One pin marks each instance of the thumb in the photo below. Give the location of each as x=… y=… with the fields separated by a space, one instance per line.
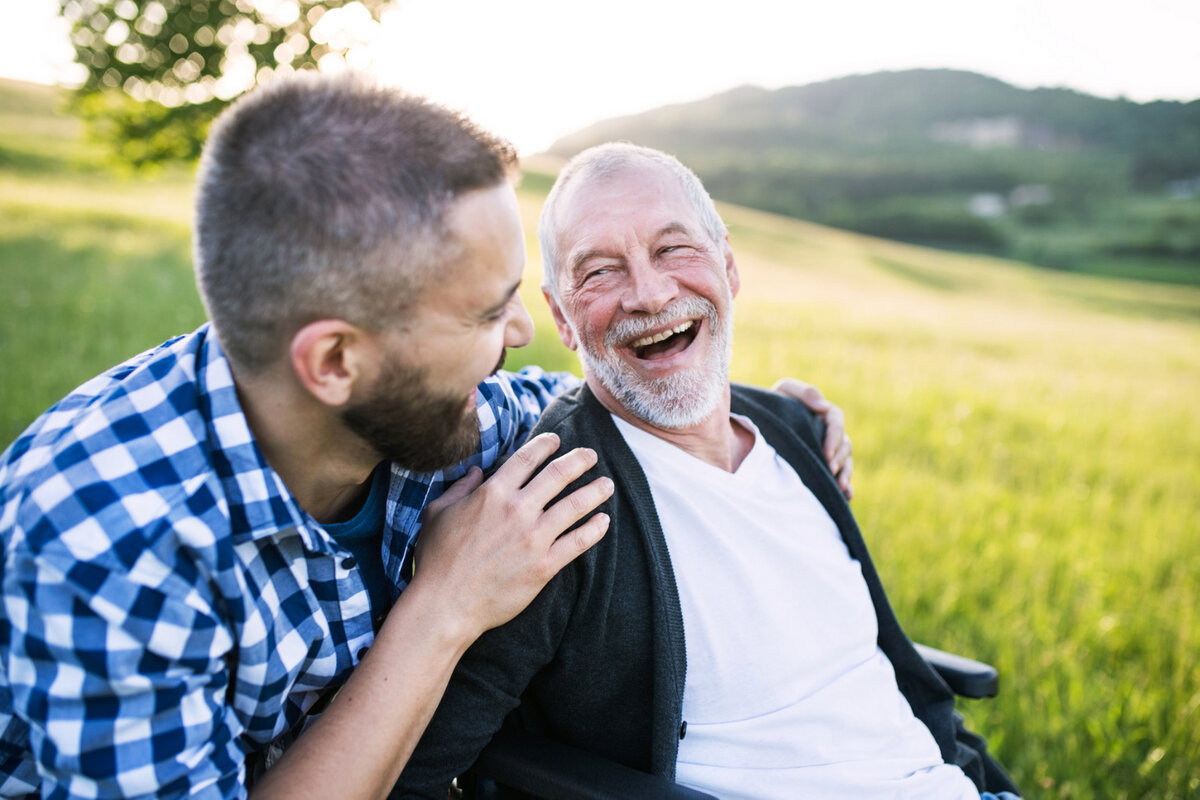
x=458 y=490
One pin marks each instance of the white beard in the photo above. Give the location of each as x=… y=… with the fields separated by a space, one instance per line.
x=680 y=400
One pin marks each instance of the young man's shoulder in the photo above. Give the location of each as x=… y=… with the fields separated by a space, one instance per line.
x=126 y=451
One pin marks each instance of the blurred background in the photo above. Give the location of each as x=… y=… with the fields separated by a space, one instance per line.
x=976 y=226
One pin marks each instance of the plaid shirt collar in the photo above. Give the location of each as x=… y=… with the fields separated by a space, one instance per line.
x=260 y=504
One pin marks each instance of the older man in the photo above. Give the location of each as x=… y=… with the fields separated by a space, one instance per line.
x=200 y=545
x=730 y=631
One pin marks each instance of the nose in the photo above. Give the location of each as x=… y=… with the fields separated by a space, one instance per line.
x=518 y=331
x=649 y=289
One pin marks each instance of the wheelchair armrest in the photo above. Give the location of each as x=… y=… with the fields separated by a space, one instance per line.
x=557 y=771
x=965 y=677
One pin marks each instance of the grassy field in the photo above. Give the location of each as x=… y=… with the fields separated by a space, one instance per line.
x=1027 y=443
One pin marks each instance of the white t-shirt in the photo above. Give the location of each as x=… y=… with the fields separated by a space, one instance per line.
x=787 y=693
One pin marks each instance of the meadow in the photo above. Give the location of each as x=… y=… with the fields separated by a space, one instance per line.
x=1026 y=442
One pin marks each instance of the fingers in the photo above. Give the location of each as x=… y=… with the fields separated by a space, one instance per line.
x=558 y=475
x=835 y=435
x=841 y=463
x=844 y=478
x=515 y=472
x=804 y=392
x=570 y=546
x=458 y=490
x=577 y=505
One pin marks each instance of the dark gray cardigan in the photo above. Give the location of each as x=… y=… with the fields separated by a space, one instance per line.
x=597 y=661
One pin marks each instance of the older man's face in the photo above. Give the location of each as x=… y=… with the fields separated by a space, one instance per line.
x=646 y=297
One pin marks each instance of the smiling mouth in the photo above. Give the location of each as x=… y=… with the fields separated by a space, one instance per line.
x=665 y=344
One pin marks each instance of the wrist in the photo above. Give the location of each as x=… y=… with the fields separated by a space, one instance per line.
x=430 y=606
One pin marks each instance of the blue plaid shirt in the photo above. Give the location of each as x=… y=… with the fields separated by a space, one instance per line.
x=169 y=608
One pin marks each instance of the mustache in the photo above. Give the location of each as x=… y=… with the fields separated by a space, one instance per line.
x=500 y=364
x=629 y=329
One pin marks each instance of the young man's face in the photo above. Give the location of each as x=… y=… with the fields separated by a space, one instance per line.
x=646 y=296
x=420 y=410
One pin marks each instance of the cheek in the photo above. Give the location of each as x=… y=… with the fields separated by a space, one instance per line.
x=593 y=316
x=487 y=350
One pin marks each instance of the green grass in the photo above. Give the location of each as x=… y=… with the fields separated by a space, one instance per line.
x=1026 y=441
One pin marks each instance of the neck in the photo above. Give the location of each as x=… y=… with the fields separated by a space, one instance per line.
x=323 y=465
x=716 y=440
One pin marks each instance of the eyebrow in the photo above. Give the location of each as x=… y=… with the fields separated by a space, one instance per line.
x=487 y=312
x=582 y=258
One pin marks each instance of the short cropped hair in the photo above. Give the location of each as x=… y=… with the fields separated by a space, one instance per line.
x=606 y=161
x=325 y=197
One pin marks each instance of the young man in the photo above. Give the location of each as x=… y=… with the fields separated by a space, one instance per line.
x=730 y=631
x=204 y=543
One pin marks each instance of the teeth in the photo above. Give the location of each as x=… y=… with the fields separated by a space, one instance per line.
x=658 y=337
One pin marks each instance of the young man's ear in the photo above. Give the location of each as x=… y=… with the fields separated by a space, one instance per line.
x=329 y=357
x=564 y=328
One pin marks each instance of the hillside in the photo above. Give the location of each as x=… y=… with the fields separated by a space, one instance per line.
x=954 y=159
x=1027 y=446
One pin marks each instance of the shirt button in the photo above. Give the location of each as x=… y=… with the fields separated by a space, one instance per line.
x=683 y=729
x=348 y=562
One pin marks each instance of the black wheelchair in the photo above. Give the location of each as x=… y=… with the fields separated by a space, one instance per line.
x=526 y=766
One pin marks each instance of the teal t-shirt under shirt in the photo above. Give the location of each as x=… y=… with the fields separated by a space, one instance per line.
x=362 y=535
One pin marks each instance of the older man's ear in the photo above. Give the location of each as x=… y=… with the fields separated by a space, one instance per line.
x=731 y=270
x=560 y=321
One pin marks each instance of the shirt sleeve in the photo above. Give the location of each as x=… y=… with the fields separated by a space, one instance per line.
x=510 y=404
x=120 y=673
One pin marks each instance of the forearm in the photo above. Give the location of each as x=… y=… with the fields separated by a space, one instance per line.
x=486 y=553
x=358 y=746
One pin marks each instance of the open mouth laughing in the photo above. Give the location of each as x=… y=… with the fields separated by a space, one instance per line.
x=665 y=343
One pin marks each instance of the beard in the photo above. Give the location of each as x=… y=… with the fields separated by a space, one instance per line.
x=411 y=425
x=675 y=401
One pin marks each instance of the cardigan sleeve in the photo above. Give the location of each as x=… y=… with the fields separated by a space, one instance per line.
x=485 y=687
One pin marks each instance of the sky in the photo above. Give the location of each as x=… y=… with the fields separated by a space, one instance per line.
x=534 y=70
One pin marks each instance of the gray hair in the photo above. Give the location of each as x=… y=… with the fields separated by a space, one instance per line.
x=609 y=160
x=325 y=197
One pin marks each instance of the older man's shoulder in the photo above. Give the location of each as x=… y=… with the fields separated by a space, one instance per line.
x=778 y=404
x=570 y=411
x=797 y=417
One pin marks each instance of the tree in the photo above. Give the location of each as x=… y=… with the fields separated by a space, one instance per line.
x=158 y=71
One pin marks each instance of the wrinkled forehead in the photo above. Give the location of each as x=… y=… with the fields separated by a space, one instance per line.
x=634 y=200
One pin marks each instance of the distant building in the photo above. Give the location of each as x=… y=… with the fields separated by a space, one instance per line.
x=1186 y=189
x=1030 y=194
x=989 y=133
x=981 y=133
x=987 y=205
